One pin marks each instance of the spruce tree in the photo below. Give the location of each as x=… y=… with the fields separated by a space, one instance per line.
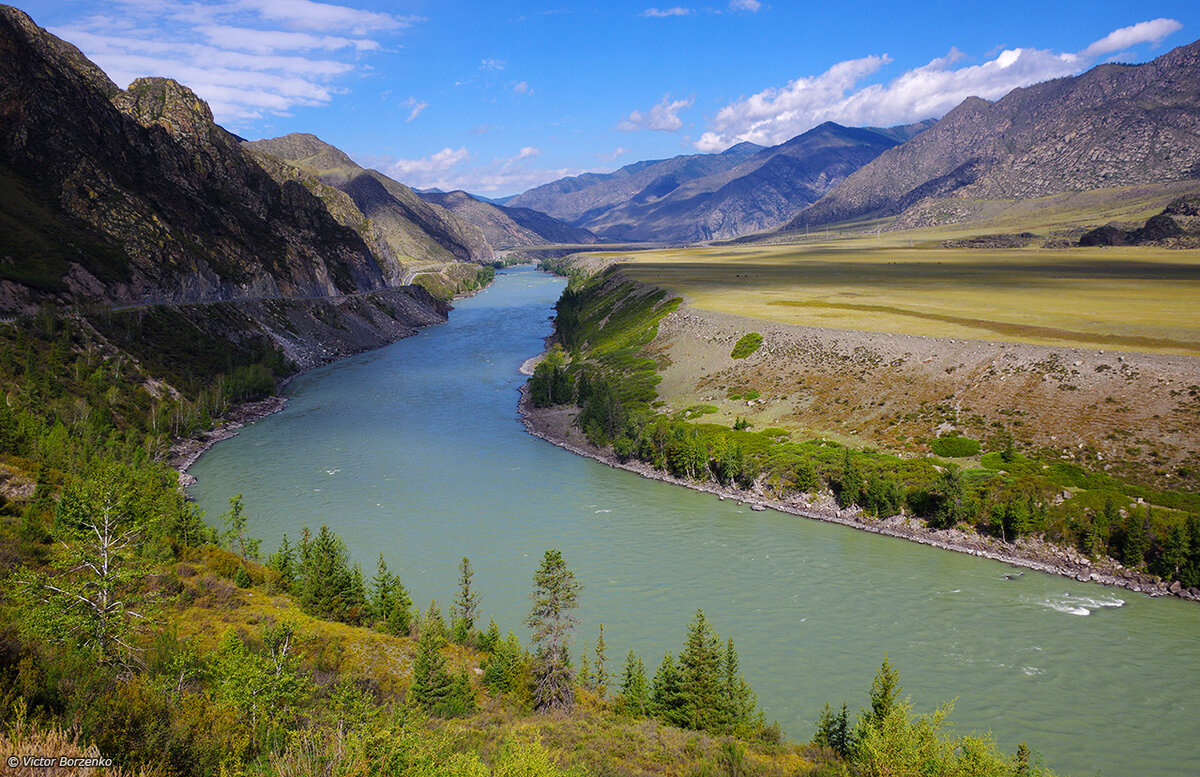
x=635 y=690
x=700 y=676
x=885 y=691
x=833 y=730
x=283 y=561
x=739 y=699
x=600 y=676
x=490 y=638
x=467 y=601
x=382 y=592
x=665 y=697
x=850 y=482
x=431 y=686
x=552 y=618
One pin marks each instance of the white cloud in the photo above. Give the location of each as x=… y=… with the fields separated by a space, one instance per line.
x=415 y=107
x=492 y=64
x=777 y=114
x=522 y=87
x=663 y=117
x=750 y=6
x=450 y=169
x=247 y=58
x=662 y=13
x=1143 y=32
x=611 y=156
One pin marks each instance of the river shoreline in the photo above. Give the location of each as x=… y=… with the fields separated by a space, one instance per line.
x=555 y=426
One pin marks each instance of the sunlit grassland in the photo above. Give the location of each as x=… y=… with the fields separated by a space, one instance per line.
x=1140 y=299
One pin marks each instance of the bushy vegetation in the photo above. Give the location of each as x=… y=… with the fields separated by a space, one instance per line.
x=955 y=447
x=746 y=345
x=604 y=323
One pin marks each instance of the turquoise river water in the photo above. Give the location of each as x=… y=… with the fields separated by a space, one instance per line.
x=416 y=451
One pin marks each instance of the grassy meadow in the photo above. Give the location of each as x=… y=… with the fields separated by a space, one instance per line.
x=1136 y=299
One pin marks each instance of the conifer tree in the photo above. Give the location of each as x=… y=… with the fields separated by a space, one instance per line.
x=885 y=692
x=552 y=618
x=431 y=686
x=635 y=690
x=833 y=730
x=666 y=698
x=504 y=668
x=382 y=591
x=466 y=603
x=739 y=699
x=283 y=561
x=490 y=638
x=850 y=482
x=600 y=675
x=235 y=531
x=700 y=676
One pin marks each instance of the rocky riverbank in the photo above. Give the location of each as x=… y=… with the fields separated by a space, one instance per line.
x=556 y=425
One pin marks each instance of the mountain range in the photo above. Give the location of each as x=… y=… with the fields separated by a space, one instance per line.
x=699 y=197
x=1112 y=126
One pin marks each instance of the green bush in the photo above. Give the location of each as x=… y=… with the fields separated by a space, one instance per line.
x=747 y=345
x=955 y=447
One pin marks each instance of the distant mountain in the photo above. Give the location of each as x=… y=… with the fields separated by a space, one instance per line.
x=577 y=199
x=760 y=192
x=115 y=195
x=1115 y=125
x=412 y=227
x=747 y=188
x=506 y=227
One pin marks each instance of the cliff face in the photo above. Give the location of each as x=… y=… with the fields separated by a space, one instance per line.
x=112 y=198
x=1115 y=125
x=123 y=196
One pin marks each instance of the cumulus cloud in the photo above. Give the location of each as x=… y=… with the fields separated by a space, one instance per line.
x=663 y=13
x=663 y=117
x=777 y=114
x=415 y=107
x=451 y=169
x=750 y=6
x=247 y=58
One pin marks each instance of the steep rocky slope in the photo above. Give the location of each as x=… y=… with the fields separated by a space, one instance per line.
x=505 y=227
x=120 y=196
x=412 y=227
x=1115 y=125
x=134 y=208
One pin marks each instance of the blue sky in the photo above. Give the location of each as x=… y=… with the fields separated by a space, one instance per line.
x=497 y=97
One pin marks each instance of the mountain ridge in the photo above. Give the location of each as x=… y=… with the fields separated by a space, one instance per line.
x=1113 y=125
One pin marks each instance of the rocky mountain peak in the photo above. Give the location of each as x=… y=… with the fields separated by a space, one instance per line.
x=167 y=104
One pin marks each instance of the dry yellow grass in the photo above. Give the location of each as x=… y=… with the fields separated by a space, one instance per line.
x=1136 y=299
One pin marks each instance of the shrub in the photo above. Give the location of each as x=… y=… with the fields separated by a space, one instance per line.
x=747 y=345
x=955 y=447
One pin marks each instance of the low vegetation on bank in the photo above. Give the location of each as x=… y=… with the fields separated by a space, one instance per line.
x=601 y=365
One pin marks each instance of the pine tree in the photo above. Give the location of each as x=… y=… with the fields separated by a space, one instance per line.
x=283 y=561
x=555 y=597
x=739 y=699
x=635 y=690
x=666 y=697
x=600 y=676
x=700 y=676
x=431 y=684
x=235 y=532
x=885 y=692
x=467 y=602
x=382 y=588
x=490 y=638
x=833 y=730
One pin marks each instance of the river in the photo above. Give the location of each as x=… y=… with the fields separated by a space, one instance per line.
x=416 y=451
